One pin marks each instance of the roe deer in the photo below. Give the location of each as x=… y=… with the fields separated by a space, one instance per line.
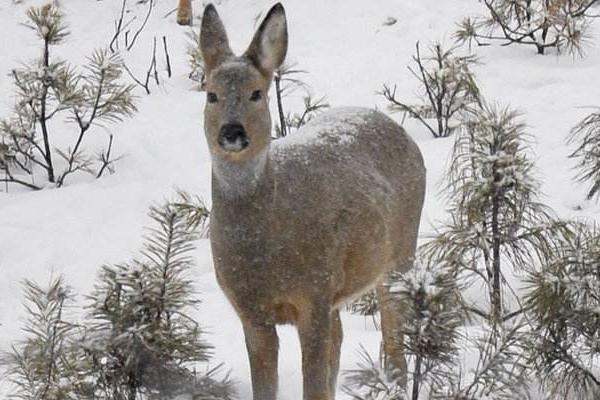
x=306 y=223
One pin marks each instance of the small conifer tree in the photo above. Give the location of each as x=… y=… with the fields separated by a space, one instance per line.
x=436 y=340
x=42 y=366
x=543 y=24
x=47 y=88
x=138 y=340
x=496 y=220
x=563 y=301
x=430 y=324
x=142 y=340
x=448 y=89
x=431 y=319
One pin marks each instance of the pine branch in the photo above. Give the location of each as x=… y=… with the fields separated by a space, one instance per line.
x=562 y=300
x=118 y=27
x=544 y=24
x=586 y=136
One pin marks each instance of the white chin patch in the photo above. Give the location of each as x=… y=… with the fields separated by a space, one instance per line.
x=236 y=146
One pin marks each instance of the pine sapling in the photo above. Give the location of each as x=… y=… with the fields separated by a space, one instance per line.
x=441 y=350
x=143 y=340
x=139 y=339
x=431 y=320
x=41 y=367
x=448 y=89
x=543 y=24
x=44 y=87
x=48 y=88
x=496 y=220
x=430 y=328
x=564 y=299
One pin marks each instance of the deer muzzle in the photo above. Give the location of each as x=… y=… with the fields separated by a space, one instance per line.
x=233 y=138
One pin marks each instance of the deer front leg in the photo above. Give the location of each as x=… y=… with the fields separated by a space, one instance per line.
x=262 y=344
x=315 y=331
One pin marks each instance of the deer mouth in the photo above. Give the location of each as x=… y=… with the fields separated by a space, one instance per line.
x=233 y=138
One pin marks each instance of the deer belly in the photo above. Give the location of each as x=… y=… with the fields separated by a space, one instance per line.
x=364 y=268
x=259 y=293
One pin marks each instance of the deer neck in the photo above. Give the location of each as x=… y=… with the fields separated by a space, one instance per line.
x=242 y=180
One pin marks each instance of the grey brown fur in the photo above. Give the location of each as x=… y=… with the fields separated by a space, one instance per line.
x=303 y=225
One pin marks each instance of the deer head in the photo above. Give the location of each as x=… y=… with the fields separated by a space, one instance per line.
x=237 y=122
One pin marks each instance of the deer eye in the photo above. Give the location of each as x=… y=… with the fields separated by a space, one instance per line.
x=211 y=97
x=256 y=95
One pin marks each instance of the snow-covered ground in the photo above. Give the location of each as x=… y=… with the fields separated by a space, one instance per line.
x=348 y=53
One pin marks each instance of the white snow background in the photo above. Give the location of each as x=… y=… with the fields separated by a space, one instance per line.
x=348 y=53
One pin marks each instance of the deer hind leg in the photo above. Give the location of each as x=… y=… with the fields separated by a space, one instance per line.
x=392 y=313
x=316 y=340
x=334 y=353
x=262 y=344
x=391 y=327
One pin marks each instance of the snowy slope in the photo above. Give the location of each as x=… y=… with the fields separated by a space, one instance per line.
x=348 y=53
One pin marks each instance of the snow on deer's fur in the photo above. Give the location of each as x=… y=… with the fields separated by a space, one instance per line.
x=302 y=225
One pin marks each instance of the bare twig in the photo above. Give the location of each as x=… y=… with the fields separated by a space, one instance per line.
x=9 y=178
x=141 y=28
x=151 y=72
x=118 y=27
x=167 y=58
x=154 y=61
x=390 y=95
x=105 y=158
x=170 y=12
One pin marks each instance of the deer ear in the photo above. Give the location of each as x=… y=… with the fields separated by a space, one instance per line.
x=269 y=45
x=214 y=44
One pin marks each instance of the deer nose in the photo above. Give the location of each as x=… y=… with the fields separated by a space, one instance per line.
x=233 y=137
